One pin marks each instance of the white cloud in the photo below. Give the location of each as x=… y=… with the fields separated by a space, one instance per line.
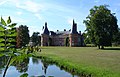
x=18 y=20
x=19 y=13
x=3 y=2
x=14 y=19
x=15 y=1
x=57 y=7
x=35 y=29
x=30 y=6
x=38 y=16
x=27 y=5
x=70 y=21
x=97 y=1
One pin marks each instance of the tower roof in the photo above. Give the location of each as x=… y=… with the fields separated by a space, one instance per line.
x=46 y=31
x=74 y=28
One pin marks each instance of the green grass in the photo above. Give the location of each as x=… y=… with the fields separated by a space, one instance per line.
x=89 y=60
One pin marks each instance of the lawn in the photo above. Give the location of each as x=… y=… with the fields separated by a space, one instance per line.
x=100 y=63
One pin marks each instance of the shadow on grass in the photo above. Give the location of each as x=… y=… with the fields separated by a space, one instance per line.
x=112 y=48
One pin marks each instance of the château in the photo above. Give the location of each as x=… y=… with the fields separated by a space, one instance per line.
x=62 y=38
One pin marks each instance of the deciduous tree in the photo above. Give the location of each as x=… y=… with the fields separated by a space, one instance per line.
x=22 y=36
x=101 y=25
x=35 y=38
x=116 y=38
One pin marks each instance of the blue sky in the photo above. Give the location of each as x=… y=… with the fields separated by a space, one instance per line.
x=57 y=13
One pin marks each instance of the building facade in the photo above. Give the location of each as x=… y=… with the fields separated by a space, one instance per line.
x=62 y=38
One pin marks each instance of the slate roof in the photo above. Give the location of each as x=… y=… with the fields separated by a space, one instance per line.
x=46 y=31
x=59 y=32
x=74 y=28
x=62 y=32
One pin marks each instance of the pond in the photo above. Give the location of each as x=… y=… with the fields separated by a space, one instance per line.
x=33 y=67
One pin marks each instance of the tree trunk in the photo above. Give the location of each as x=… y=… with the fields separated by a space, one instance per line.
x=102 y=47
x=98 y=46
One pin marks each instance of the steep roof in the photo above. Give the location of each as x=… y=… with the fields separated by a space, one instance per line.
x=74 y=28
x=62 y=32
x=46 y=31
x=59 y=32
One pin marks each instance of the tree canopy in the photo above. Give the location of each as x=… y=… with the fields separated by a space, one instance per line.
x=116 y=38
x=101 y=25
x=35 y=38
x=22 y=36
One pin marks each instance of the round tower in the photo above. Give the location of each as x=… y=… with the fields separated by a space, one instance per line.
x=45 y=36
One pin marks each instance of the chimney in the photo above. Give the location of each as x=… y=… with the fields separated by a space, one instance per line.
x=80 y=32
x=64 y=29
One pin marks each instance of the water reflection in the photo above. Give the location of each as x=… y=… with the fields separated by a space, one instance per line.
x=45 y=66
x=35 y=61
x=47 y=70
x=21 y=65
x=31 y=67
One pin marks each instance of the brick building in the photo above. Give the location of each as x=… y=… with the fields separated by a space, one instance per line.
x=62 y=38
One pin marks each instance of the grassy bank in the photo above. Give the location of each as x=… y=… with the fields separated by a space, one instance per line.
x=86 y=60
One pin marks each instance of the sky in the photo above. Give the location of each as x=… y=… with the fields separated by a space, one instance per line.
x=58 y=14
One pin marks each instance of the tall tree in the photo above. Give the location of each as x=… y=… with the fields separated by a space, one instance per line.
x=22 y=36
x=86 y=38
x=101 y=25
x=35 y=38
x=116 y=38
